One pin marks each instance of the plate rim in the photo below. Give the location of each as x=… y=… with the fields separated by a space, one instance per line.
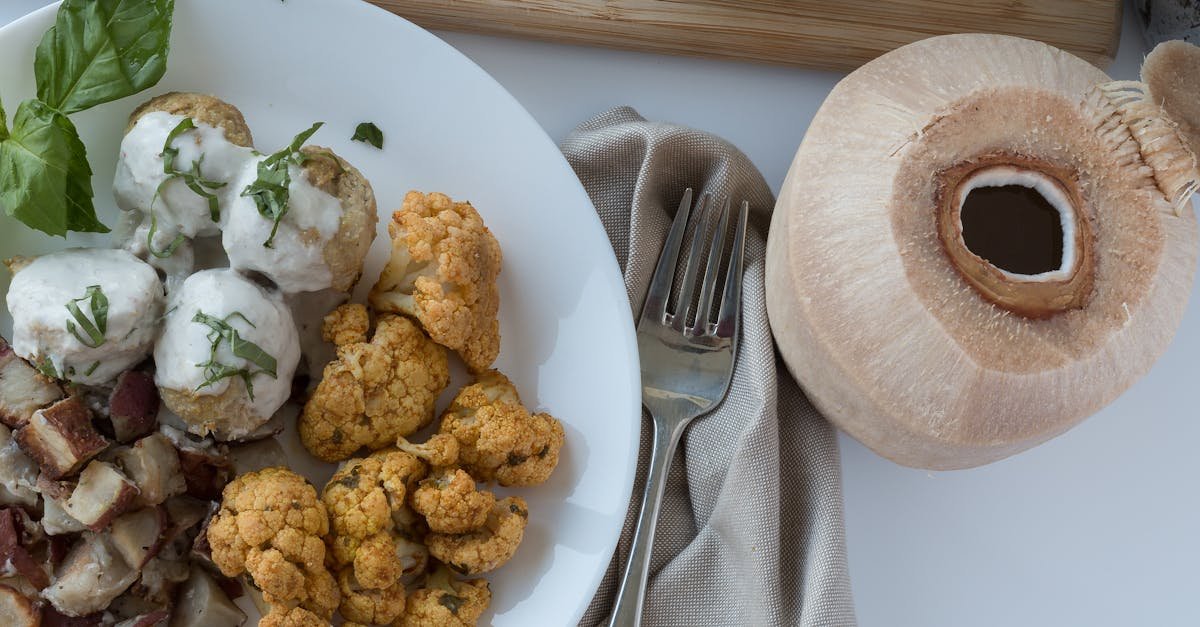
x=611 y=271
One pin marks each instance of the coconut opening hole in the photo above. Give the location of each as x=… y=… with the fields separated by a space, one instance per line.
x=1014 y=228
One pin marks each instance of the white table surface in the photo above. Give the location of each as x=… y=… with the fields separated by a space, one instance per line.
x=1098 y=527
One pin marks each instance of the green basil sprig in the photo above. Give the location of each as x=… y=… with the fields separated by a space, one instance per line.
x=222 y=331
x=93 y=328
x=369 y=133
x=270 y=190
x=198 y=184
x=97 y=51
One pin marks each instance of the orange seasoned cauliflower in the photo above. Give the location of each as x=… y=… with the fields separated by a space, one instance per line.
x=370 y=606
x=271 y=526
x=438 y=451
x=499 y=440
x=374 y=540
x=450 y=503
x=445 y=602
x=294 y=617
x=443 y=272
x=488 y=547
x=374 y=391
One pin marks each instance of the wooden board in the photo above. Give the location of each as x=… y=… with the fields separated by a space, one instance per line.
x=826 y=34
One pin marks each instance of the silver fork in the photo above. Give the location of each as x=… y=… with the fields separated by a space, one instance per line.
x=685 y=369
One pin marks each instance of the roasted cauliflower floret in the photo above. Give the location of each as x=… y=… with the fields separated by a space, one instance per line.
x=450 y=503
x=443 y=272
x=370 y=606
x=488 y=547
x=438 y=451
x=374 y=391
x=294 y=617
x=270 y=527
x=499 y=440
x=446 y=602
x=373 y=544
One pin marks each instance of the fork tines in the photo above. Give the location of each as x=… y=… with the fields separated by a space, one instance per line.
x=687 y=305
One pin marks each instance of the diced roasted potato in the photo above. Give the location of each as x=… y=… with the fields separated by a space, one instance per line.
x=133 y=405
x=90 y=578
x=154 y=466
x=17 y=610
x=103 y=493
x=56 y=521
x=139 y=535
x=22 y=389
x=15 y=555
x=185 y=513
x=61 y=438
x=202 y=603
x=205 y=463
x=18 y=473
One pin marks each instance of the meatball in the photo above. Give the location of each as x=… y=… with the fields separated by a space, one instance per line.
x=182 y=187
x=85 y=315
x=203 y=109
x=324 y=235
x=226 y=354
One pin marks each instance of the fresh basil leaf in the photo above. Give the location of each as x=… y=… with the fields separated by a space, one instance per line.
x=298 y=141
x=252 y=353
x=46 y=367
x=191 y=178
x=169 y=152
x=45 y=179
x=214 y=370
x=369 y=133
x=101 y=50
x=170 y=249
x=3 y=124
x=97 y=326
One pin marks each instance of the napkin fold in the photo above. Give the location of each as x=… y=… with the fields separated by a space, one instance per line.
x=751 y=529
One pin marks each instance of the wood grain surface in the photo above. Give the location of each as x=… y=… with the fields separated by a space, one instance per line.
x=825 y=34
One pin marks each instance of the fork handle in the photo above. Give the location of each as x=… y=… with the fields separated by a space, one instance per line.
x=627 y=610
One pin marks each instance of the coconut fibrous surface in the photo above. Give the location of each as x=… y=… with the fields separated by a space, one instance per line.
x=901 y=336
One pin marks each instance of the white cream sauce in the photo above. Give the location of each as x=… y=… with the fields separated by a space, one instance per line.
x=38 y=297
x=184 y=343
x=296 y=259
x=177 y=209
x=134 y=237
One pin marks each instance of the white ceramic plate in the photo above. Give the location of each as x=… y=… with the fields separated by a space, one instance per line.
x=565 y=319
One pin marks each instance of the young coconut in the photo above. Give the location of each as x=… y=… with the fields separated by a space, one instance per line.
x=981 y=241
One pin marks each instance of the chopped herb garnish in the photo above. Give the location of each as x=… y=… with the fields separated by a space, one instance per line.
x=170 y=249
x=91 y=369
x=94 y=328
x=222 y=331
x=270 y=190
x=451 y=602
x=369 y=133
x=46 y=367
x=192 y=178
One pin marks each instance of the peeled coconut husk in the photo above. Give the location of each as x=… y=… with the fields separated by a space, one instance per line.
x=906 y=338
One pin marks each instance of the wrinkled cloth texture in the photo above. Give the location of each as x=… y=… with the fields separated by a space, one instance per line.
x=751 y=529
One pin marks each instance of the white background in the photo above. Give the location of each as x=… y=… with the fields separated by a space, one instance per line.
x=1098 y=527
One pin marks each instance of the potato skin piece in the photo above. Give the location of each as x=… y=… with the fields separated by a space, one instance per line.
x=67 y=423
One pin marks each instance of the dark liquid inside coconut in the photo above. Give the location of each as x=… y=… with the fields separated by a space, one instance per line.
x=1014 y=228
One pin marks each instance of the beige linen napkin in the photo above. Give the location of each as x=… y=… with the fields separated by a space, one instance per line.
x=751 y=529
